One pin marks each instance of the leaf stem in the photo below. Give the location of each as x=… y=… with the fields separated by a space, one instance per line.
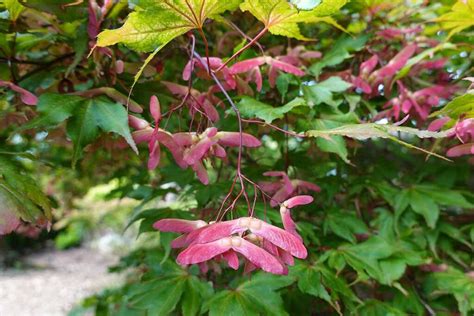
x=240 y=51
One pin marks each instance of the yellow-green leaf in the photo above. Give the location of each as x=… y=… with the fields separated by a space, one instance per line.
x=14 y=8
x=282 y=18
x=459 y=18
x=155 y=23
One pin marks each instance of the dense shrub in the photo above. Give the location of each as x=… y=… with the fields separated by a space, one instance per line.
x=225 y=111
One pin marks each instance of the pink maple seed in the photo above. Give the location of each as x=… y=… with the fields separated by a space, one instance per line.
x=198 y=151
x=285 y=67
x=281 y=195
x=286 y=257
x=232 y=259
x=178 y=225
x=155 y=109
x=273 y=234
x=232 y=139
x=437 y=124
x=305 y=185
x=176 y=88
x=188 y=69
x=168 y=141
x=249 y=267
x=137 y=123
x=286 y=180
x=142 y=136
x=198 y=253
x=183 y=139
x=247 y=65
x=369 y=65
x=398 y=62
x=298 y=200
x=219 y=151
x=210 y=110
x=285 y=214
x=461 y=150
x=155 y=154
x=258 y=79
x=201 y=172
x=179 y=242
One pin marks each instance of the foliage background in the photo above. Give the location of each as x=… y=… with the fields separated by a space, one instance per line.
x=390 y=233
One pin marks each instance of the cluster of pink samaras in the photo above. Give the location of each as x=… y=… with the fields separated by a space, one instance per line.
x=188 y=149
x=236 y=77
x=463 y=131
x=262 y=245
x=418 y=104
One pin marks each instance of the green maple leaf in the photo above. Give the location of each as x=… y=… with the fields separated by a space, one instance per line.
x=156 y=23
x=373 y=130
x=251 y=108
x=459 y=18
x=86 y=117
x=282 y=18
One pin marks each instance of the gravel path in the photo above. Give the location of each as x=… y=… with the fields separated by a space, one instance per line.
x=58 y=282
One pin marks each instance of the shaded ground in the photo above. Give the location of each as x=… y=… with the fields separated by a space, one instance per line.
x=58 y=281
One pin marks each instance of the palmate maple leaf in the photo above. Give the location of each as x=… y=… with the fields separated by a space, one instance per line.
x=157 y=22
x=459 y=18
x=282 y=18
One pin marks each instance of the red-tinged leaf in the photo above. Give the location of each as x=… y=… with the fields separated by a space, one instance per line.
x=198 y=253
x=258 y=256
x=247 y=65
x=232 y=139
x=461 y=150
x=298 y=200
x=178 y=225
x=155 y=109
x=137 y=123
x=398 y=62
x=26 y=96
x=232 y=259
x=9 y=221
x=285 y=67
